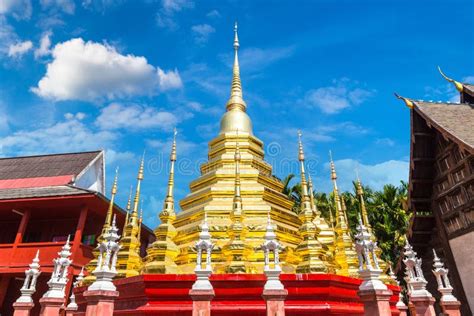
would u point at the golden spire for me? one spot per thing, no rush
(310, 250)
(345, 255)
(408, 102)
(129, 205)
(140, 220)
(314, 207)
(169, 200)
(363, 210)
(236, 97)
(237, 207)
(305, 200)
(136, 200)
(458, 85)
(161, 254)
(108, 218)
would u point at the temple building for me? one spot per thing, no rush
(43, 199)
(441, 190)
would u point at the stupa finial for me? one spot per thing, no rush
(236, 97)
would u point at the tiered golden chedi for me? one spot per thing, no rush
(237, 192)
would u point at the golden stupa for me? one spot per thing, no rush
(237, 192)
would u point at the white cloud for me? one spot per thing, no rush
(66, 6)
(113, 157)
(184, 147)
(376, 175)
(134, 116)
(201, 32)
(19, 49)
(19, 9)
(213, 14)
(65, 136)
(45, 44)
(176, 5)
(165, 16)
(92, 71)
(333, 99)
(385, 142)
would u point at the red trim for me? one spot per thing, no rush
(35, 182)
(239, 294)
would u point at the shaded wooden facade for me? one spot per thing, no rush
(441, 191)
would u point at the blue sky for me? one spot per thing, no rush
(119, 75)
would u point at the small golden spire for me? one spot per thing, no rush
(314, 207)
(457, 84)
(305, 202)
(237, 209)
(168, 208)
(108, 218)
(408, 102)
(363, 210)
(129, 205)
(236, 97)
(140, 220)
(134, 215)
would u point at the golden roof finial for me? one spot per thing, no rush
(458, 85)
(108, 219)
(236, 96)
(168, 208)
(306, 204)
(333, 170)
(408, 102)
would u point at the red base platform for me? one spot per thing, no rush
(238, 294)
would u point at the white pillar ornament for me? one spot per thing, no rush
(272, 270)
(58, 281)
(29, 285)
(72, 299)
(414, 277)
(369, 269)
(444, 286)
(203, 269)
(400, 304)
(106, 261)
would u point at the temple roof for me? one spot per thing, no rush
(53, 170)
(45, 165)
(49, 191)
(455, 120)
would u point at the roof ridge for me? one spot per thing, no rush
(57, 154)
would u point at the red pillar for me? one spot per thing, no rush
(100, 303)
(22, 309)
(50, 306)
(422, 306)
(275, 301)
(201, 302)
(75, 247)
(21, 229)
(376, 302)
(451, 308)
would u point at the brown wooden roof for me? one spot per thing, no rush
(45, 165)
(456, 121)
